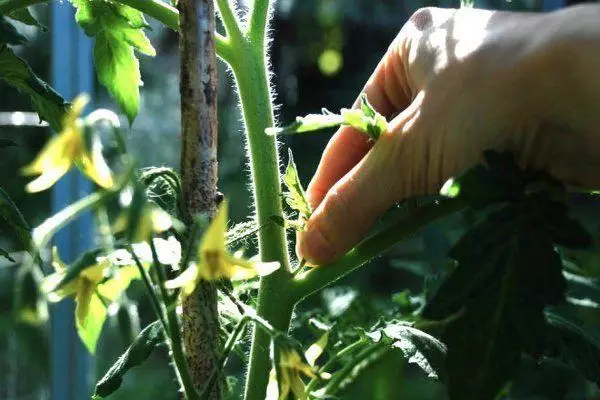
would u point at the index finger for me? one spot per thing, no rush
(388, 92)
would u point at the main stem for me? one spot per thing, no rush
(274, 303)
(200, 320)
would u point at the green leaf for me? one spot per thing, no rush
(572, 344)
(14, 220)
(139, 351)
(118, 33)
(365, 119)
(508, 272)
(6, 254)
(4, 143)
(418, 347)
(9, 34)
(50, 106)
(24, 15)
(295, 197)
(29, 303)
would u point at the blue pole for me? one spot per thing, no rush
(72, 74)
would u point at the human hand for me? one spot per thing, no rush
(455, 83)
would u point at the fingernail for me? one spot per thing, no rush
(314, 247)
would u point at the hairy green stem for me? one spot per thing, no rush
(318, 278)
(273, 301)
(173, 330)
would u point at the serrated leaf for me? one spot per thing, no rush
(508, 271)
(418, 347)
(118, 34)
(24, 15)
(50, 106)
(139, 351)
(295, 197)
(9, 34)
(572, 344)
(365, 119)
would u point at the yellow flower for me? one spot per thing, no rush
(92, 293)
(151, 219)
(215, 262)
(66, 149)
(291, 367)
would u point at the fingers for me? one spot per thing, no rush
(385, 175)
(387, 90)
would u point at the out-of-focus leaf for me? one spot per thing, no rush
(572, 344)
(365, 119)
(6, 254)
(29, 304)
(295, 196)
(50, 106)
(4, 143)
(418, 347)
(9, 34)
(118, 34)
(508, 272)
(14, 220)
(24, 15)
(139, 351)
(128, 320)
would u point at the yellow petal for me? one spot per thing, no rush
(161, 220)
(316, 349)
(95, 167)
(298, 388)
(77, 106)
(93, 274)
(244, 269)
(187, 280)
(115, 286)
(57, 262)
(61, 148)
(49, 177)
(51, 281)
(214, 236)
(85, 291)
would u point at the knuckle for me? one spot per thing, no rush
(422, 19)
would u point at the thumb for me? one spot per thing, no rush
(388, 173)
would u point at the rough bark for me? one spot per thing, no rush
(198, 79)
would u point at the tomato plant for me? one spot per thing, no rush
(495, 303)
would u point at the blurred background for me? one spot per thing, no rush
(322, 53)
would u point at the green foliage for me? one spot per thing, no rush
(118, 33)
(418, 347)
(507, 273)
(11, 218)
(574, 345)
(365, 119)
(9, 34)
(295, 196)
(24, 15)
(13, 70)
(149, 338)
